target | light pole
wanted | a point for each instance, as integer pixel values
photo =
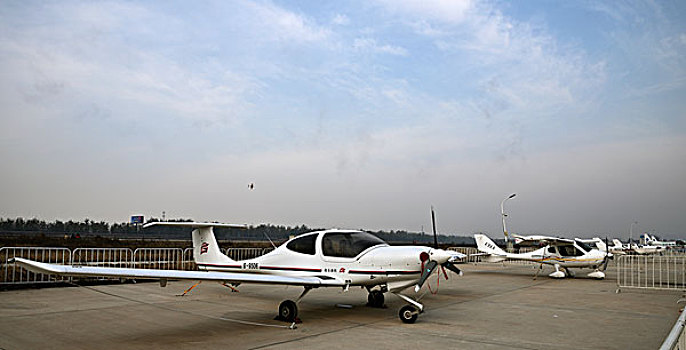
(503, 215)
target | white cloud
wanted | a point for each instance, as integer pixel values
(447, 11)
(277, 23)
(341, 20)
(132, 80)
(338, 119)
(368, 44)
(531, 69)
(648, 43)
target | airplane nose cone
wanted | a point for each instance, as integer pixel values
(439, 255)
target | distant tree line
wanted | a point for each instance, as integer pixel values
(263, 232)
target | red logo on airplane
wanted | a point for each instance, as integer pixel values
(204, 247)
(342, 270)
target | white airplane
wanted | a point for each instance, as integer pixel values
(559, 252)
(633, 248)
(651, 240)
(617, 248)
(330, 258)
(645, 249)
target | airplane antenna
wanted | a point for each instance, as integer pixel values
(270, 240)
(433, 225)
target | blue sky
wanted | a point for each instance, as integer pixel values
(348, 114)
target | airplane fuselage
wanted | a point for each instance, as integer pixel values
(548, 255)
(378, 264)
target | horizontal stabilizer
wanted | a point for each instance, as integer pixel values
(193, 225)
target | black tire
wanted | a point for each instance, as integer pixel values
(408, 314)
(288, 311)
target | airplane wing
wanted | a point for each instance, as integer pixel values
(228, 277)
(539, 241)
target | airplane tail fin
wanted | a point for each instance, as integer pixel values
(486, 245)
(600, 244)
(617, 243)
(205, 247)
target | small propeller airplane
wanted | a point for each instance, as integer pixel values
(559, 252)
(653, 241)
(618, 248)
(329, 258)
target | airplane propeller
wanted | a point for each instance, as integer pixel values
(433, 227)
(607, 258)
(429, 267)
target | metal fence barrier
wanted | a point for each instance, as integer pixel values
(142, 258)
(187, 261)
(472, 256)
(102, 257)
(245, 253)
(14, 274)
(658, 272)
(158, 258)
(676, 339)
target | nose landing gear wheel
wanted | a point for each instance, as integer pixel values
(288, 311)
(408, 314)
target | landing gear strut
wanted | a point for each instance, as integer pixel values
(408, 314)
(557, 273)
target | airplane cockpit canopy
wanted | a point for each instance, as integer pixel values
(570, 250)
(303, 244)
(584, 246)
(350, 244)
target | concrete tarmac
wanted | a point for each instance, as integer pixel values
(490, 307)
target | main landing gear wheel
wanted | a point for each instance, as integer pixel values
(288, 311)
(375, 299)
(408, 314)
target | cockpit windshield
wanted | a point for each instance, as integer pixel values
(584, 246)
(569, 250)
(348, 244)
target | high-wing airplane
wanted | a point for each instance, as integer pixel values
(632, 248)
(646, 249)
(559, 252)
(651, 240)
(617, 248)
(330, 258)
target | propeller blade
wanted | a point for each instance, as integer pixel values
(605, 264)
(433, 225)
(607, 255)
(426, 272)
(450, 266)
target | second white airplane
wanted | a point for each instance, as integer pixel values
(559, 252)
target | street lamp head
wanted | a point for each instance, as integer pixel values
(512, 196)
